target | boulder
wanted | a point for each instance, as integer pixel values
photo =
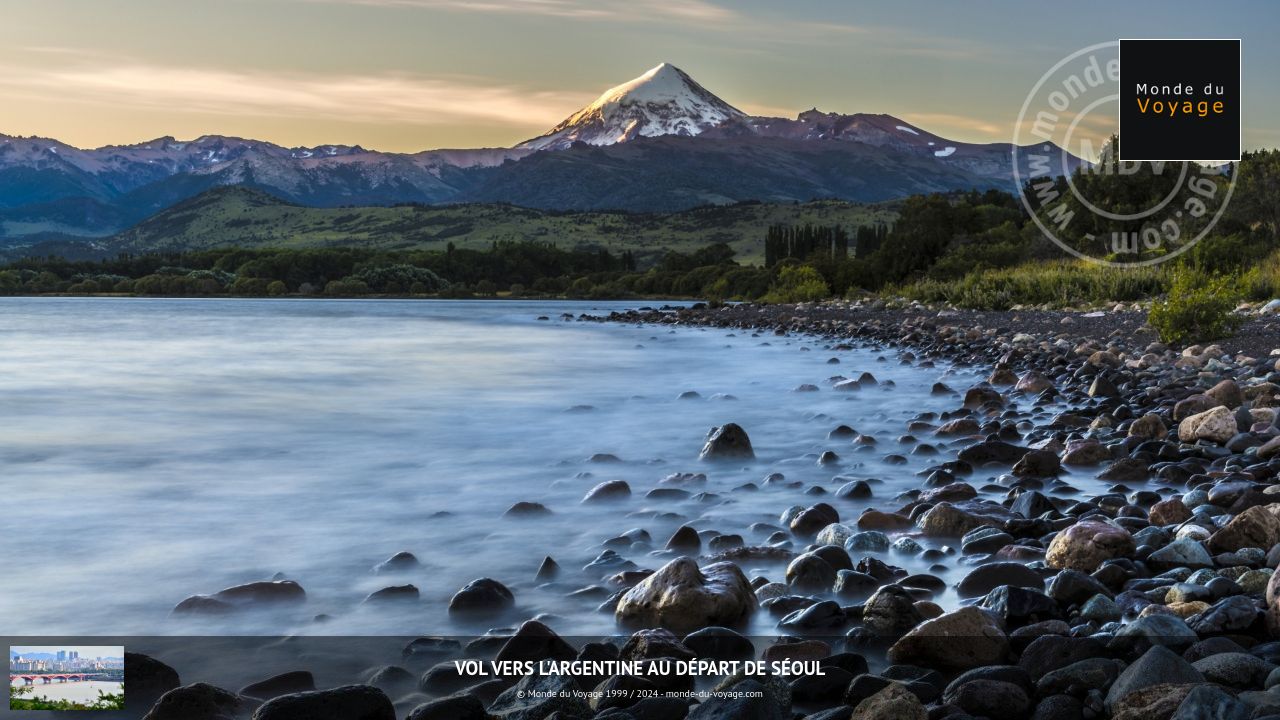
(1256, 527)
(147, 678)
(484, 596)
(727, 442)
(1157, 666)
(351, 702)
(985, 578)
(1085, 545)
(890, 612)
(197, 702)
(539, 696)
(608, 491)
(958, 640)
(1217, 425)
(894, 702)
(1148, 427)
(1169, 512)
(683, 598)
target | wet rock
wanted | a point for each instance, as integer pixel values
(282, 684)
(995, 699)
(1085, 452)
(682, 597)
(1217, 425)
(534, 641)
(1086, 544)
(1181, 553)
(457, 707)
(610, 490)
(1157, 666)
(1149, 703)
(655, 643)
(992, 452)
(719, 643)
(394, 593)
(548, 570)
(1033, 383)
(947, 520)
(538, 696)
(1047, 653)
(1235, 669)
(879, 520)
(147, 678)
(1255, 527)
(985, 578)
(1148, 427)
(1100, 609)
(1169, 512)
(854, 585)
(894, 702)
(1228, 615)
(812, 519)
(249, 595)
(960, 426)
(1226, 393)
(727, 442)
(958, 640)
(400, 562)
(484, 596)
(1207, 702)
(1017, 606)
(1080, 677)
(685, 539)
(810, 573)
(979, 395)
(890, 611)
(834, 534)
(826, 615)
(198, 701)
(527, 509)
(1038, 464)
(352, 702)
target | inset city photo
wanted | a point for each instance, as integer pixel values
(70, 677)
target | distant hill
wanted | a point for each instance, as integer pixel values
(244, 217)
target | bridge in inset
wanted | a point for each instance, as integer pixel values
(36, 679)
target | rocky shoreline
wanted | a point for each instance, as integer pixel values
(1151, 599)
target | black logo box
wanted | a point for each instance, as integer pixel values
(1187, 64)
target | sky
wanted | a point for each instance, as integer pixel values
(88, 651)
(410, 75)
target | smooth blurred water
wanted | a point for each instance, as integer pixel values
(82, 692)
(155, 449)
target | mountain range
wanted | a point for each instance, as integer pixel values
(658, 143)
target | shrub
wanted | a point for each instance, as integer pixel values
(277, 288)
(398, 277)
(1197, 308)
(346, 287)
(798, 283)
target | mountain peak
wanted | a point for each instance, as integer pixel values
(662, 101)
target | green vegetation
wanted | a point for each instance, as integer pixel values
(1197, 308)
(18, 700)
(246, 218)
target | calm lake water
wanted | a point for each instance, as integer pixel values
(76, 692)
(156, 449)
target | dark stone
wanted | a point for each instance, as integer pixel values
(352, 702)
(458, 707)
(985, 578)
(282, 684)
(994, 699)
(1157, 666)
(482, 597)
(535, 641)
(538, 696)
(197, 702)
(727, 442)
(147, 678)
(719, 643)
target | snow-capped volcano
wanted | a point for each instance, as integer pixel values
(663, 101)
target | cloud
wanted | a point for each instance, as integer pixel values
(621, 10)
(399, 98)
(934, 121)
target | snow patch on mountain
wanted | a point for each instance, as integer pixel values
(904, 128)
(663, 101)
(944, 152)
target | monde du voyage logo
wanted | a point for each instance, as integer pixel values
(1125, 151)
